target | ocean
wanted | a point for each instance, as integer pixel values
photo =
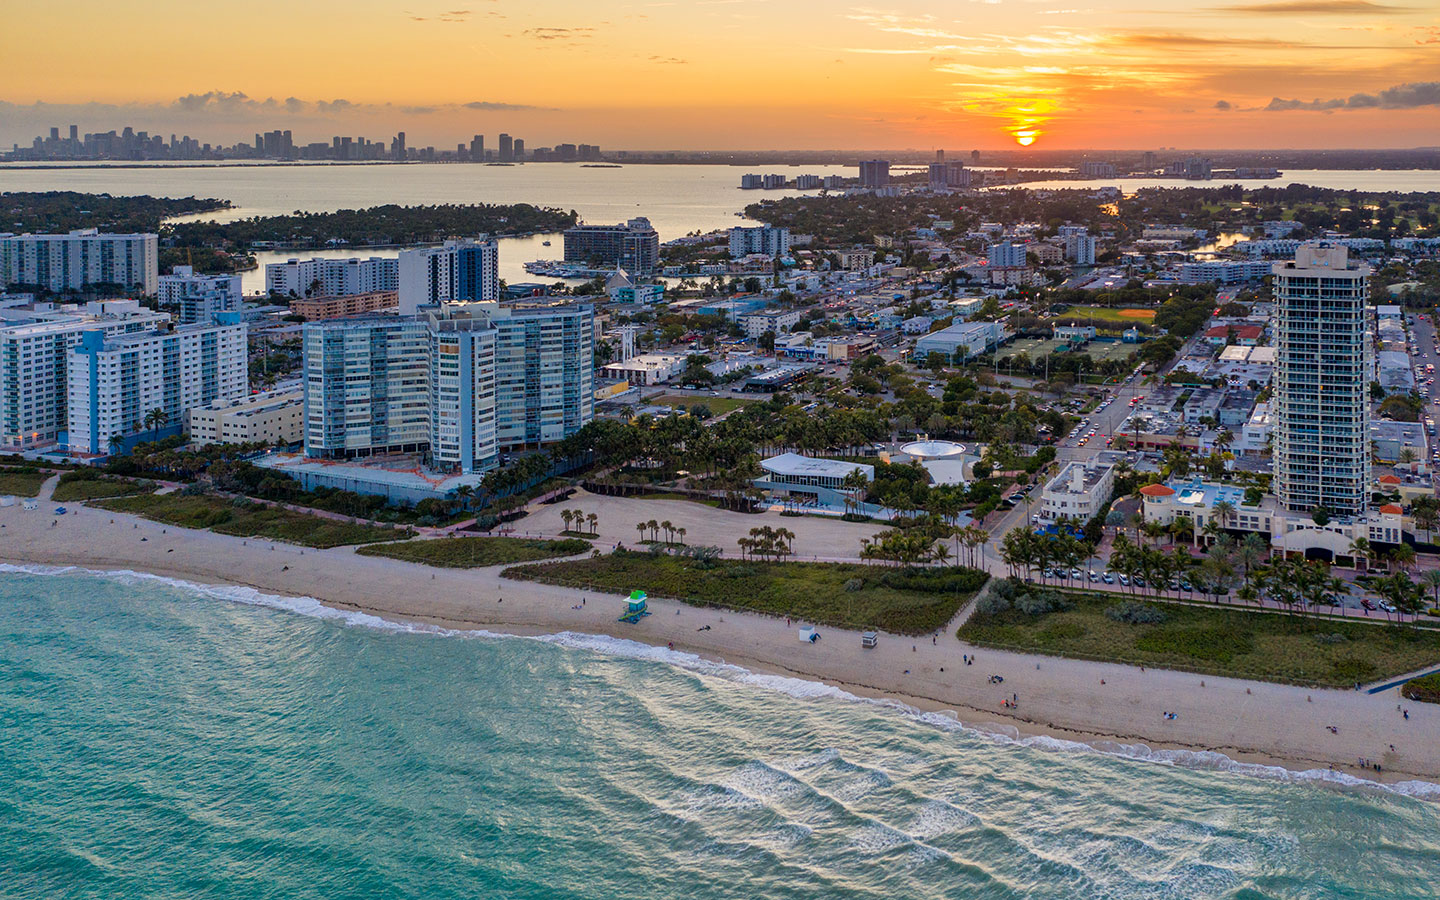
(166, 740)
(677, 199)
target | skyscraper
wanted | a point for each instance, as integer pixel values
(507, 148)
(1322, 408)
(633, 246)
(477, 148)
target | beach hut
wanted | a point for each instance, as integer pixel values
(808, 635)
(29, 503)
(635, 608)
(869, 639)
(7, 500)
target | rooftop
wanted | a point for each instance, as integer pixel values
(793, 464)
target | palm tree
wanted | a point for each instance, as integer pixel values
(1252, 551)
(640, 527)
(465, 492)
(1223, 510)
(156, 419)
(594, 522)
(669, 530)
(566, 515)
(1403, 556)
(654, 527)
(117, 443)
(1431, 579)
(1360, 551)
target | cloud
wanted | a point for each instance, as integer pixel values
(1325, 7)
(1402, 96)
(1222, 104)
(558, 34)
(669, 60)
(491, 105)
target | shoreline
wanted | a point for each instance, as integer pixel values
(1108, 707)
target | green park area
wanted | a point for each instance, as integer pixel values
(718, 406)
(246, 518)
(835, 594)
(476, 552)
(1213, 640)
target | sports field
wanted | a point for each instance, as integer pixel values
(1111, 314)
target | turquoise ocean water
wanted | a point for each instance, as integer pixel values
(161, 740)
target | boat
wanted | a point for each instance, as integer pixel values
(635, 608)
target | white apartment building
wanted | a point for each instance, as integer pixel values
(777, 321)
(1321, 398)
(34, 354)
(332, 277)
(80, 259)
(1077, 493)
(462, 382)
(646, 368)
(1005, 255)
(198, 298)
(464, 271)
(1080, 248)
(271, 417)
(765, 240)
(115, 382)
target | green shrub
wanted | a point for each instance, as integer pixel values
(1425, 689)
(1133, 612)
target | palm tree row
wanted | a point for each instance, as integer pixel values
(653, 528)
(766, 542)
(575, 518)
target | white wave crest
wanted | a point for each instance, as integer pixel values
(803, 689)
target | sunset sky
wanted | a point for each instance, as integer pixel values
(736, 74)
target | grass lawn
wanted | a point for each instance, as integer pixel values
(1216, 641)
(1425, 689)
(22, 484)
(1111, 314)
(474, 552)
(718, 405)
(87, 487)
(249, 520)
(840, 595)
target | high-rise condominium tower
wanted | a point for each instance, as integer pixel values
(1322, 412)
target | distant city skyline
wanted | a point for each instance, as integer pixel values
(745, 74)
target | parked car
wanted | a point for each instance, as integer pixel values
(1108, 578)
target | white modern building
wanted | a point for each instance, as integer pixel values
(80, 259)
(332, 277)
(272, 417)
(646, 368)
(776, 321)
(462, 382)
(961, 341)
(762, 239)
(115, 382)
(1078, 492)
(1224, 271)
(1321, 396)
(34, 354)
(197, 298)
(459, 271)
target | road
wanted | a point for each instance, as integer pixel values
(1422, 332)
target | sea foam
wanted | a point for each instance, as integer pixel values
(799, 688)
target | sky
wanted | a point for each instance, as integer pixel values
(736, 74)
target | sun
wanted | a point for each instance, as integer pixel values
(1025, 138)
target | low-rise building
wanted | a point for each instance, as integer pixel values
(321, 308)
(961, 341)
(647, 368)
(810, 481)
(775, 321)
(1078, 492)
(273, 417)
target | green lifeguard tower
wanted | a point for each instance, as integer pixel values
(635, 608)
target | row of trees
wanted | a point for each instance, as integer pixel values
(767, 543)
(653, 528)
(575, 518)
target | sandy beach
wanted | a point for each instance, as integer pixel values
(1096, 703)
